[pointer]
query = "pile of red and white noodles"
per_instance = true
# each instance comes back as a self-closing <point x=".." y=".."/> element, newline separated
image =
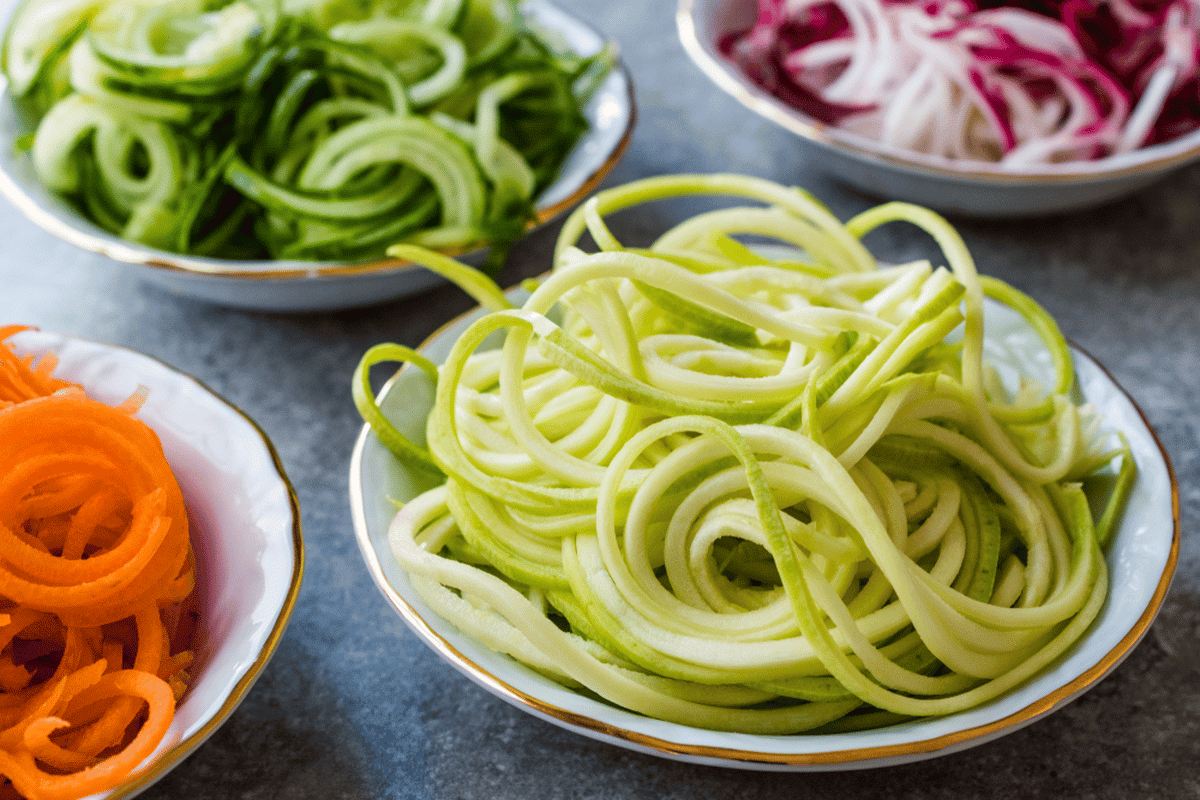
<point x="1022" y="85"/>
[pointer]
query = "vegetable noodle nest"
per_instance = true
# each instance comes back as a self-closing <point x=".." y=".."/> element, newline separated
<point x="756" y="489"/>
<point x="1020" y="84"/>
<point x="96" y="567"/>
<point x="310" y="130"/>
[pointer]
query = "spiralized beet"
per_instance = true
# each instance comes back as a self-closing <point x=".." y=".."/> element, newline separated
<point x="1017" y="83"/>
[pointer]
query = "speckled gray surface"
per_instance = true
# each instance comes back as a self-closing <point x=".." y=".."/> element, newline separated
<point x="353" y="706"/>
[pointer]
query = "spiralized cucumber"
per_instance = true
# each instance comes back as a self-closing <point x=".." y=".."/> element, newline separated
<point x="311" y="131"/>
<point x="760" y="489"/>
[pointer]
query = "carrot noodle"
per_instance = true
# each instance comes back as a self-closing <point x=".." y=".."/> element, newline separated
<point x="96" y="576"/>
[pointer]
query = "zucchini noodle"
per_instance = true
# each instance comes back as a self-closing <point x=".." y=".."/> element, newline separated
<point x="315" y="131"/>
<point x="748" y="479"/>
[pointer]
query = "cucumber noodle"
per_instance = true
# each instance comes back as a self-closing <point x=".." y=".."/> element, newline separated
<point x="317" y="130"/>
<point x="755" y="489"/>
<point x="1022" y="84"/>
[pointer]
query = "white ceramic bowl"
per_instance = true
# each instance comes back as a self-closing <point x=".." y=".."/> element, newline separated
<point x="322" y="285"/>
<point x="968" y="188"/>
<point x="245" y="527"/>
<point x="1141" y="561"/>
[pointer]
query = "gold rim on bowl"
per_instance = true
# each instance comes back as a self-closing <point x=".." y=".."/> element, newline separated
<point x="173" y="756"/>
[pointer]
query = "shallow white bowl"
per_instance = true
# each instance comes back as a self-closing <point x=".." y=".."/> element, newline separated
<point x="969" y="188"/>
<point x="245" y="528"/>
<point x="323" y="285"/>
<point x="1141" y="561"/>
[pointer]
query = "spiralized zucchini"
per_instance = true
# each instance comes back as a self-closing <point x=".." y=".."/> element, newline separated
<point x="766" y="489"/>
<point x="316" y="130"/>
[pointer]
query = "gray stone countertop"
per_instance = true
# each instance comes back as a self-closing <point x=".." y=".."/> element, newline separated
<point x="354" y="706"/>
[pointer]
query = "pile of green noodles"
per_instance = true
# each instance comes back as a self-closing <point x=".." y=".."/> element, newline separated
<point x="758" y="489"/>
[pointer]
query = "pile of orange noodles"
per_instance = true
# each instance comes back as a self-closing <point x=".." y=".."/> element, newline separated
<point x="95" y="566"/>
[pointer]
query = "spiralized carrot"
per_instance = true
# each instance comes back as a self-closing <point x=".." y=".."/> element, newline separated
<point x="96" y="567"/>
<point x="19" y="379"/>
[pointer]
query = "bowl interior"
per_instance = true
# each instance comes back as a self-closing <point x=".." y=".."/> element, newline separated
<point x="1141" y="561"/>
<point x="243" y="519"/>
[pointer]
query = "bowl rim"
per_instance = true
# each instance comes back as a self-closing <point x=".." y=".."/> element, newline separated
<point x="91" y="238"/>
<point x="1147" y="161"/>
<point x="171" y="757"/>
<point x="737" y="757"/>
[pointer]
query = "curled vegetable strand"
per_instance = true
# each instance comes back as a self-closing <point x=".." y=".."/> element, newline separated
<point x="772" y="488"/>
<point x="95" y="567"/>
<point x="313" y="130"/>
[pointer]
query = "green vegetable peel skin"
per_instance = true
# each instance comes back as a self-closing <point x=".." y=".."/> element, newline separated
<point x="317" y="131"/>
<point x="757" y="489"/>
